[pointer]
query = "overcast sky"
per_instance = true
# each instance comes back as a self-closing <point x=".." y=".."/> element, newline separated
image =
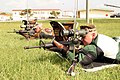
<point x="9" y="5"/>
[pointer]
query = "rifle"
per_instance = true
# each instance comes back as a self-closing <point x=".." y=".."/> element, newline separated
<point x="18" y="31"/>
<point x="68" y="38"/>
<point x="49" y="45"/>
<point x="62" y="36"/>
<point x="41" y="45"/>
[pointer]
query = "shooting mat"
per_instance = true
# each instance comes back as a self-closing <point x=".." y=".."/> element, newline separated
<point x="96" y="66"/>
<point x="100" y="64"/>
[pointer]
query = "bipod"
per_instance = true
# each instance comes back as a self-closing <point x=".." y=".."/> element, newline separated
<point x="72" y="68"/>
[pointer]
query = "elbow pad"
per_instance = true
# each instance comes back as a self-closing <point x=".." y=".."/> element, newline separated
<point x="87" y="59"/>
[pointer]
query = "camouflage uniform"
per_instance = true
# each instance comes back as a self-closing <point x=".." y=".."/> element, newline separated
<point x="101" y="46"/>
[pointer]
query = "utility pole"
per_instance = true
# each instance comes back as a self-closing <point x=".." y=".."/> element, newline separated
<point x="75" y="21"/>
<point x="27" y="11"/>
<point x="87" y="11"/>
<point x="75" y="10"/>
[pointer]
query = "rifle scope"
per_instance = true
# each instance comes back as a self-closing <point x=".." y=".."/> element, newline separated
<point x="71" y="32"/>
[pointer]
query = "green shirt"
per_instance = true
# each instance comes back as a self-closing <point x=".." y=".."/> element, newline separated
<point x="93" y="51"/>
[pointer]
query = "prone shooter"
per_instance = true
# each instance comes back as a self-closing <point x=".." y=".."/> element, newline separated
<point x="33" y="30"/>
<point x="63" y="39"/>
<point x="94" y="49"/>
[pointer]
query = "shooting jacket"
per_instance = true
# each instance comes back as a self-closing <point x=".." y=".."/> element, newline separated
<point x="107" y="46"/>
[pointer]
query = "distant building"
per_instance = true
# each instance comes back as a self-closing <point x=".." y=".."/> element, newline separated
<point x="95" y="13"/>
<point x="67" y="14"/>
<point x="46" y="14"/>
<point x="37" y="13"/>
<point x="5" y="17"/>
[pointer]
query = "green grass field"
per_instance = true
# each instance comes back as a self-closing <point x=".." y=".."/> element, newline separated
<point x="38" y="64"/>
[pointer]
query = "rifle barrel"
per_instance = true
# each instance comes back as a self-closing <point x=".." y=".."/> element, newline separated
<point x="30" y="47"/>
<point x="47" y="45"/>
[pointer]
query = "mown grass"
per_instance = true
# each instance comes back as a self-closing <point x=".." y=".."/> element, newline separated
<point x="38" y="64"/>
